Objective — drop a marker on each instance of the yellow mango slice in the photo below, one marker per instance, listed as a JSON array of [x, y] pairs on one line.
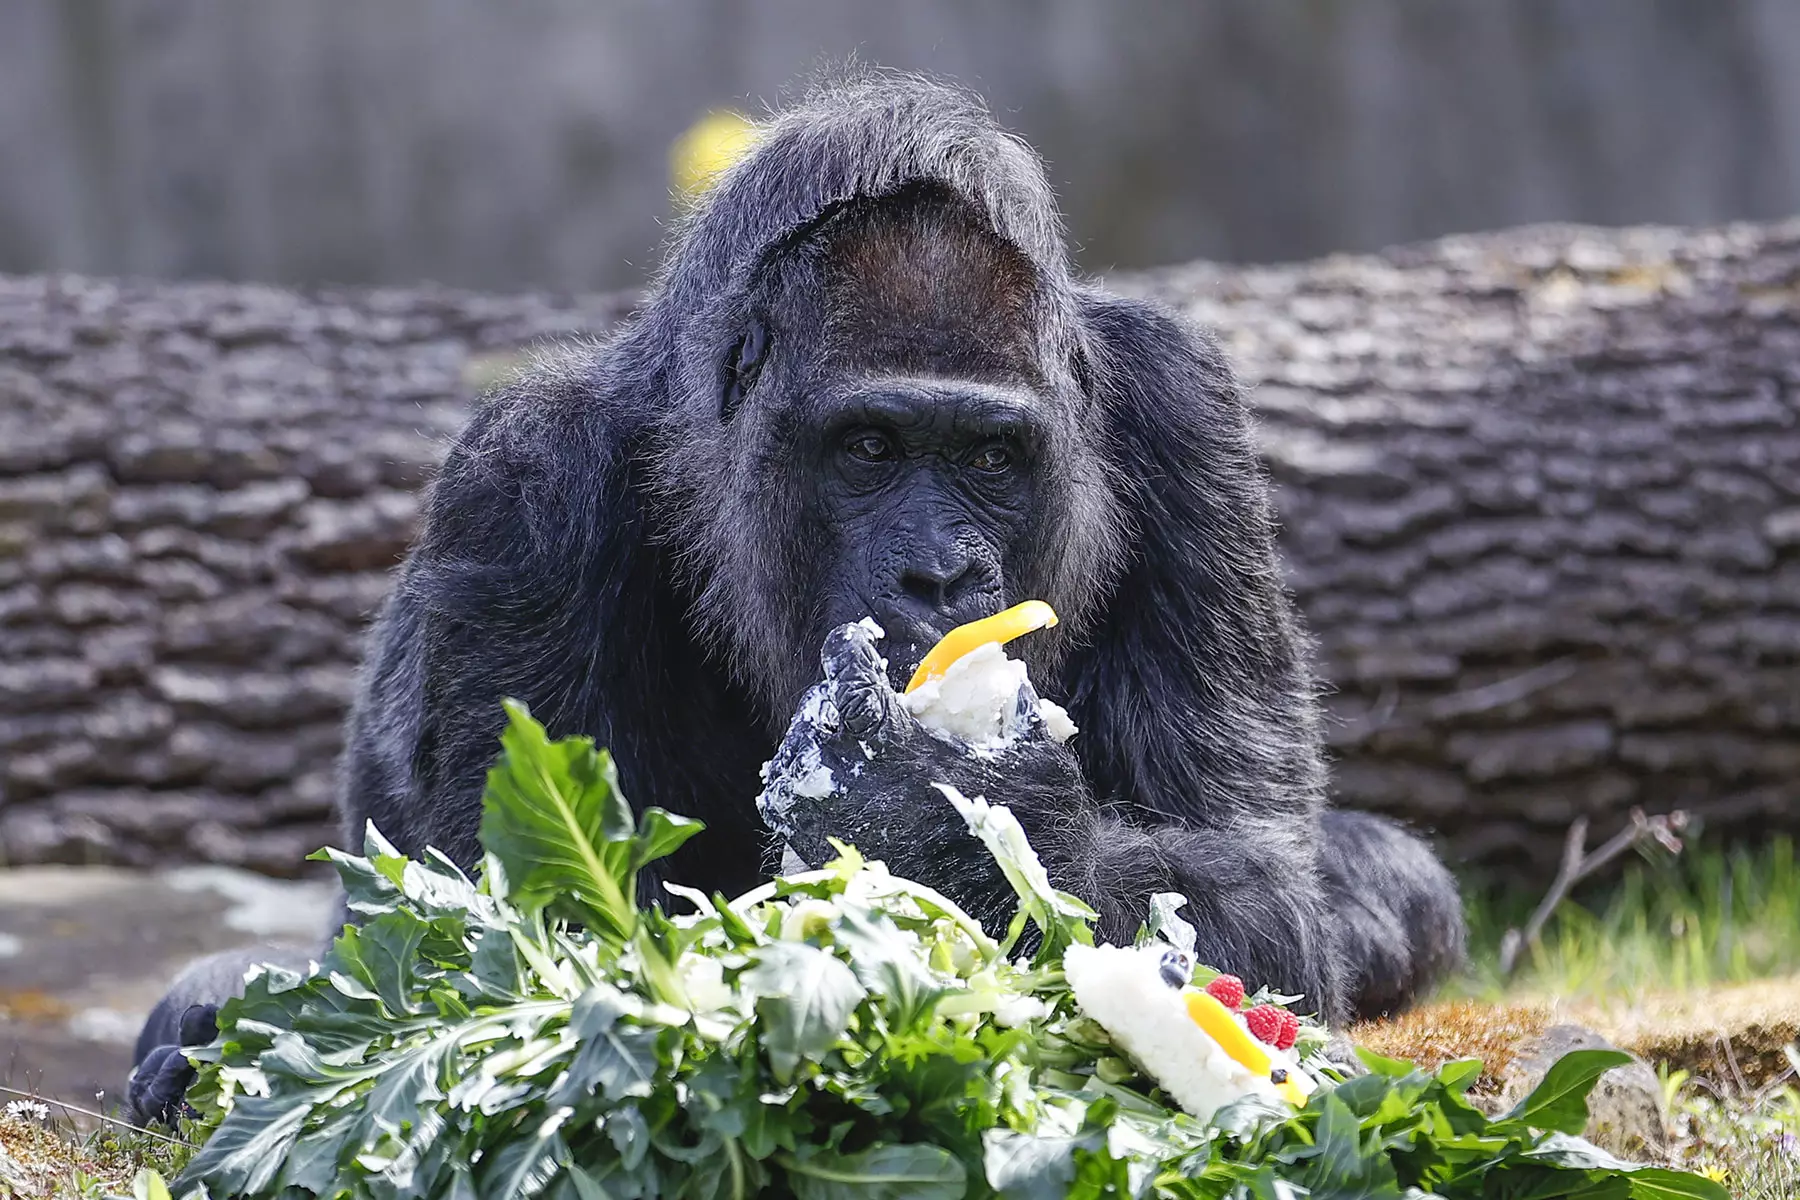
[[1218, 1023], [1002, 627]]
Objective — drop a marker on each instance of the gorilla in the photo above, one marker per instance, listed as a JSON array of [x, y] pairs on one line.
[[866, 383]]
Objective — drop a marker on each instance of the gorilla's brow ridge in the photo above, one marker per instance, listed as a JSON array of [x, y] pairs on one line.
[[902, 402]]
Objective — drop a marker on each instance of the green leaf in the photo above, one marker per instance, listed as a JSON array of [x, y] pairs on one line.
[[555, 818], [1460, 1074], [1660, 1183], [1061, 917], [1022, 1166], [406, 1085], [367, 889], [659, 835], [805, 998], [1559, 1102], [616, 1057], [1338, 1164], [495, 971], [890, 1172], [889, 964], [525, 1166], [245, 1153], [1166, 922], [383, 955], [1380, 1064], [149, 1185], [630, 1135]]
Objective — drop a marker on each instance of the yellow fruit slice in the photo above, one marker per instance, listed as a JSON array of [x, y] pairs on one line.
[[1002, 627], [1218, 1023]]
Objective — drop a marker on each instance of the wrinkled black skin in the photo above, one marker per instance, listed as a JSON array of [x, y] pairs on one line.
[[649, 540]]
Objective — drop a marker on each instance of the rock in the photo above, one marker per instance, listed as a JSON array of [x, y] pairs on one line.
[[14, 1178], [1625, 1108]]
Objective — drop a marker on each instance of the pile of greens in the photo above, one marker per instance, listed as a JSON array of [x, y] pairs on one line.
[[840, 1033]]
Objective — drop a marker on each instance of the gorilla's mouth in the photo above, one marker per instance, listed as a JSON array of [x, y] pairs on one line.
[[904, 650], [905, 642]]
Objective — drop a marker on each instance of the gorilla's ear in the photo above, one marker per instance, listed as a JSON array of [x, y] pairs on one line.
[[1194, 691]]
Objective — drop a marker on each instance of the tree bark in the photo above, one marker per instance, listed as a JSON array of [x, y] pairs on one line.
[[1540, 495]]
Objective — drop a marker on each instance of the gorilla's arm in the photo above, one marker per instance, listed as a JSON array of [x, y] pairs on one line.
[[536, 575], [488, 605], [1198, 710]]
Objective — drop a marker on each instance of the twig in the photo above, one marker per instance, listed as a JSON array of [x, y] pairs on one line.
[[1577, 865], [1507, 691], [1729, 1053], [1385, 712], [88, 1112]]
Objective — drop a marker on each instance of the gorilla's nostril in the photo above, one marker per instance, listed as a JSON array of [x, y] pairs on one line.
[[931, 587]]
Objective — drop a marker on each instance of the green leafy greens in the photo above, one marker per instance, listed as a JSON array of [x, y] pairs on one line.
[[842, 1033]]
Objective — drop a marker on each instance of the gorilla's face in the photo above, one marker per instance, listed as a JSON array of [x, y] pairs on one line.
[[916, 405], [926, 483], [904, 432]]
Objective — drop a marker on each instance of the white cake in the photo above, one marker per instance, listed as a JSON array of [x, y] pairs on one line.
[[976, 698]]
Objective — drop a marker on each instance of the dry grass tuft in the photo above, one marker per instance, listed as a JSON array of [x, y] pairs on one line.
[[1737, 1032], [1439, 1033]]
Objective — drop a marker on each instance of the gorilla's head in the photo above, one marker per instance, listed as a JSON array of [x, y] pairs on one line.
[[881, 409]]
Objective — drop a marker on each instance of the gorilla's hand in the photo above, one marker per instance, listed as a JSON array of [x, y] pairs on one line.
[[857, 766], [157, 1088]]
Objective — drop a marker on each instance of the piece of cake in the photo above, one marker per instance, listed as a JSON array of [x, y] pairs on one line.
[[1198, 1050], [968, 689]]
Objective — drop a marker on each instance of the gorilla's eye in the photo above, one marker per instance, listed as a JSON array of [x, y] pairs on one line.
[[992, 459], [870, 447], [743, 366]]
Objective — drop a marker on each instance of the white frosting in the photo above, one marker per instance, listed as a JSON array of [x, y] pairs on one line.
[[1123, 990], [975, 698]]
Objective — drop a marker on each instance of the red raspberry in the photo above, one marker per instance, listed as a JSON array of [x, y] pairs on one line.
[[1227, 990], [1265, 1023], [1290, 1030]]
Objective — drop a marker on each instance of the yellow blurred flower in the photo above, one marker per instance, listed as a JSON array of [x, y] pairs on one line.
[[710, 144]]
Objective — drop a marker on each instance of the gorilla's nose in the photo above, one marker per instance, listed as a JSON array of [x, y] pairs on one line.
[[942, 580]]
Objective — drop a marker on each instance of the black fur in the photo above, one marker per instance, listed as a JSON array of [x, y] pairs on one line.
[[629, 538]]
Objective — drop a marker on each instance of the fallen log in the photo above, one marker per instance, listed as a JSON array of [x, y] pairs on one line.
[[1540, 494]]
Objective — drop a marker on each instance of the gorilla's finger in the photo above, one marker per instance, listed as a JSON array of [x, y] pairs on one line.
[[869, 709], [866, 704], [199, 1024], [849, 655], [1027, 719]]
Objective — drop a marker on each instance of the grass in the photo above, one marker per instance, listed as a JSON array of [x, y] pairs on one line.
[[1747, 1139], [1709, 916], [44, 1154]]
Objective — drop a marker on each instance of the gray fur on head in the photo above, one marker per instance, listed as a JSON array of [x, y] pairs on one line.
[[863, 136], [729, 511]]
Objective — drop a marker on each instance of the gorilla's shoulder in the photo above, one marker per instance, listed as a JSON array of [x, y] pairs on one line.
[[543, 464], [562, 392], [1134, 337]]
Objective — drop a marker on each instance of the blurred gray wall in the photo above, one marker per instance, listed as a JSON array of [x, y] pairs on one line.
[[517, 144]]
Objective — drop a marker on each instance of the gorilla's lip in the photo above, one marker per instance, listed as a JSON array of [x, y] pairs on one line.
[[905, 642]]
